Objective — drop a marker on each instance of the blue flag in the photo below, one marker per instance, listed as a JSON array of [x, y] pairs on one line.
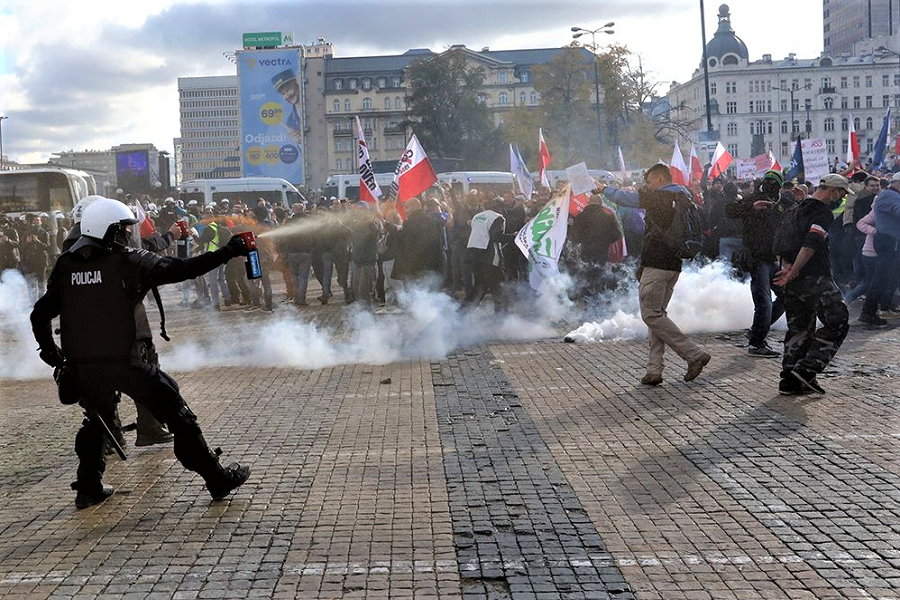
[[878, 156], [796, 161]]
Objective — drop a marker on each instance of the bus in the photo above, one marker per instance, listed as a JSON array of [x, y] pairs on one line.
[[490, 182], [43, 189], [245, 189], [347, 186]]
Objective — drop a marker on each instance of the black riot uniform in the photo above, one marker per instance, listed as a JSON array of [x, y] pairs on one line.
[[94, 289]]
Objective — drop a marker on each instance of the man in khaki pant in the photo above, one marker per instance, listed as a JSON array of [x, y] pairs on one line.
[[658, 273]]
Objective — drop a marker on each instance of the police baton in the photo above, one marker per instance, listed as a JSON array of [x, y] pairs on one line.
[[94, 416]]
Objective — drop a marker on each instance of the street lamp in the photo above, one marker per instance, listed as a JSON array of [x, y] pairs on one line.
[[577, 33], [794, 88], [1, 142]]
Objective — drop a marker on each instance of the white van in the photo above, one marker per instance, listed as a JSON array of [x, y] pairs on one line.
[[492, 182], [347, 185], [246, 189]]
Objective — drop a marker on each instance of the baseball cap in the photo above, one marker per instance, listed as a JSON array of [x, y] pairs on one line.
[[896, 177], [833, 180]]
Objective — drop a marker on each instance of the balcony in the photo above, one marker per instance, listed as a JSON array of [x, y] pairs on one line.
[[344, 132], [829, 89]]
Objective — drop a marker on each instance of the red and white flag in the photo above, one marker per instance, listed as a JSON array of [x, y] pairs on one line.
[[679, 171], [543, 159], [145, 225], [852, 146], [696, 167], [369, 191], [720, 161], [413, 175], [774, 165], [622, 169]]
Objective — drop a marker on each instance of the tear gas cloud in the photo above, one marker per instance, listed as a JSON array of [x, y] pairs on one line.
[[429, 325]]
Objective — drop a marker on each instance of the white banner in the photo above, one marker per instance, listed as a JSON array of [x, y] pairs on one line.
[[815, 159], [542, 238]]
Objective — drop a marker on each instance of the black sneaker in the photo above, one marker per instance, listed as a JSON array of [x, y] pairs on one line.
[[872, 320], [808, 380], [791, 387], [160, 436], [763, 351], [85, 499], [230, 479]]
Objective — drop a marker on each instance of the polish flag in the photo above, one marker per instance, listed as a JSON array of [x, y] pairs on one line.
[[145, 225], [369, 191], [720, 161], [543, 158], [696, 167], [622, 166], [677, 168], [852, 146], [773, 162], [413, 175]]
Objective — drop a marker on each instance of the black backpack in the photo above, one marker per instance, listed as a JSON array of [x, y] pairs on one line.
[[788, 236], [685, 234]]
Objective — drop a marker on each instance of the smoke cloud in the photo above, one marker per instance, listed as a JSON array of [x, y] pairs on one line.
[[18, 350]]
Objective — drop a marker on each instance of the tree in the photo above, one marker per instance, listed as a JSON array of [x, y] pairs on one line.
[[446, 110]]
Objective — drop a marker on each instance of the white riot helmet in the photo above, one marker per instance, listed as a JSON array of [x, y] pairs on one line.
[[105, 218], [78, 211]]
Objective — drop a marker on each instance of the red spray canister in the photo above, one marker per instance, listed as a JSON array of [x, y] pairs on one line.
[[183, 243], [254, 269]]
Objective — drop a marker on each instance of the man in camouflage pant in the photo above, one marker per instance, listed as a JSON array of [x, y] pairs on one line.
[[810, 290]]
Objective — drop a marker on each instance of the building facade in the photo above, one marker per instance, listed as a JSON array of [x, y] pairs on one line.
[[753, 107], [210, 142], [102, 163], [846, 22]]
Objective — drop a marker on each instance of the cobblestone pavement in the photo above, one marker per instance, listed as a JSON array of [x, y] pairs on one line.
[[514, 470]]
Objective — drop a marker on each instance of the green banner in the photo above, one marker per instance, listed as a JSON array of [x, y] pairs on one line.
[[266, 39]]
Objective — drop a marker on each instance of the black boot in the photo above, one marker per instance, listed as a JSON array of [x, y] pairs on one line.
[[227, 480], [149, 430], [91, 495]]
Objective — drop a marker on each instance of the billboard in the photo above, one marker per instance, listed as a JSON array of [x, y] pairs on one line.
[[271, 114], [133, 170]]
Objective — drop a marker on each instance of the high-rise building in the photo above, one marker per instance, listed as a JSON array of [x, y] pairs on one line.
[[210, 134], [846, 22]]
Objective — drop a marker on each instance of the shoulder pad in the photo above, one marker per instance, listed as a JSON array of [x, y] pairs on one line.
[[85, 245], [141, 258]]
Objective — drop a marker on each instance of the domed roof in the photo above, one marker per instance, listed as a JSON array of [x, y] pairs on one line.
[[725, 42]]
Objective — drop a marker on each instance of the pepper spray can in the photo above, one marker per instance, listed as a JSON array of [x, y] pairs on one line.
[[254, 269]]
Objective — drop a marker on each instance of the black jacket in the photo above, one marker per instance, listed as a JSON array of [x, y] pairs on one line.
[[593, 230], [759, 225]]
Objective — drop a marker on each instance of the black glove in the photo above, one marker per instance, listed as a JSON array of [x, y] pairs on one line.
[[52, 355], [237, 247]]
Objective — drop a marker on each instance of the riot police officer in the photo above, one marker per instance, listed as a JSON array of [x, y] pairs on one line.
[[94, 288]]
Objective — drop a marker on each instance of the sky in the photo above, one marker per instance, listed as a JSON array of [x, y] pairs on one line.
[[94, 74]]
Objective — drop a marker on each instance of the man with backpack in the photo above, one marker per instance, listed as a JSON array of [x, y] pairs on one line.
[[672, 233], [810, 292]]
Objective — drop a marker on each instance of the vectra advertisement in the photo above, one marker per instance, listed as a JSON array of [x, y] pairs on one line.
[[271, 114]]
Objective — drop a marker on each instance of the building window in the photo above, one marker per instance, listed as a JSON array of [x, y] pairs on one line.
[[732, 129], [338, 84], [868, 122], [829, 103], [784, 105], [733, 150], [829, 124], [337, 106], [856, 81], [522, 97], [856, 122], [856, 103], [339, 164], [525, 77], [501, 77], [869, 146], [367, 103], [784, 127], [829, 146], [398, 103], [731, 87], [885, 101], [868, 81], [381, 82], [796, 127], [712, 89], [868, 101], [731, 108], [844, 83], [366, 83], [387, 103], [534, 98], [885, 80], [347, 105], [395, 82], [502, 98], [784, 148], [845, 124], [352, 84], [843, 102]]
